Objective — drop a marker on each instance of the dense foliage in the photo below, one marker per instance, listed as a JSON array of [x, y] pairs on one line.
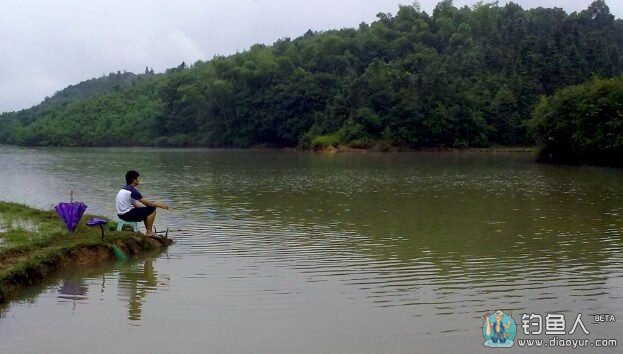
[[582, 123], [459, 77]]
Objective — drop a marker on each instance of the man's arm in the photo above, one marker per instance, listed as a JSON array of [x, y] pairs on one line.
[[154, 204]]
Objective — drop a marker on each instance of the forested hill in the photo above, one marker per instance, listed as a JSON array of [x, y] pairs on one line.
[[82, 91], [93, 87], [456, 77]]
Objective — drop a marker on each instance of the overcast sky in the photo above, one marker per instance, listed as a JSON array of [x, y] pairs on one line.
[[48, 45]]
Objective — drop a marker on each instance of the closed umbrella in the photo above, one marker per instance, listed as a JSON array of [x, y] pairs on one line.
[[71, 212]]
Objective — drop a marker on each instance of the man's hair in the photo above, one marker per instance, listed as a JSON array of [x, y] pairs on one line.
[[131, 176]]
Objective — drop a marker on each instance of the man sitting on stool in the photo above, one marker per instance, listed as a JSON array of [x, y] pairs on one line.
[[129, 209]]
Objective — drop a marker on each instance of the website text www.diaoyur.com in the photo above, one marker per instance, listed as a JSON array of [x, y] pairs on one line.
[[557, 342]]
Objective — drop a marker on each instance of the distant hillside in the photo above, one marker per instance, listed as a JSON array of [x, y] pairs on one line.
[[91, 88], [83, 91], [467, 76]]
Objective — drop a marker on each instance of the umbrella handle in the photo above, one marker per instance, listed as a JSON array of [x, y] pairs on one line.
[[102, 228], [71, 196]]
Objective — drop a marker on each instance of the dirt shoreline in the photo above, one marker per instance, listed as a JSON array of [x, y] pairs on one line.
[[35, 268], [341, 149]]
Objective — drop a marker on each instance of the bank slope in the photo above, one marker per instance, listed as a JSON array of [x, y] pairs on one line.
[[34, 244]]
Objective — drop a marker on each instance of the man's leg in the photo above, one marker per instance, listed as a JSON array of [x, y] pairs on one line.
[[149, 223]]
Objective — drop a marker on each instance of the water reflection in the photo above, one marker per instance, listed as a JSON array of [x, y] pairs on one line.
[[135, 283], [414, 235], [404, 246], [73, 290]]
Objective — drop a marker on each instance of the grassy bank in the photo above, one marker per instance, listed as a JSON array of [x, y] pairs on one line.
[[35, 243]]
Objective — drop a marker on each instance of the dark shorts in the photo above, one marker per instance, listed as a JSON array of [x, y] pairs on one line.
[[137, 214]]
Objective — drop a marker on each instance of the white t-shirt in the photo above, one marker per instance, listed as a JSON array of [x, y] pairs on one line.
[[126, 198]]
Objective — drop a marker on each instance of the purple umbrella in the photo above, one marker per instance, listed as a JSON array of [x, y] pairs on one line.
[[98, 222], [71, 213]]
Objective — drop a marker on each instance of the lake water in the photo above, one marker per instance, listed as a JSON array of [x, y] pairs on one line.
[[295, 252]]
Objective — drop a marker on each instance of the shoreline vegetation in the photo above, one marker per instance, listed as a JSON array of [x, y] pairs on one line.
[[332, 149], [34, 244], [581, 124], [468, 77]]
